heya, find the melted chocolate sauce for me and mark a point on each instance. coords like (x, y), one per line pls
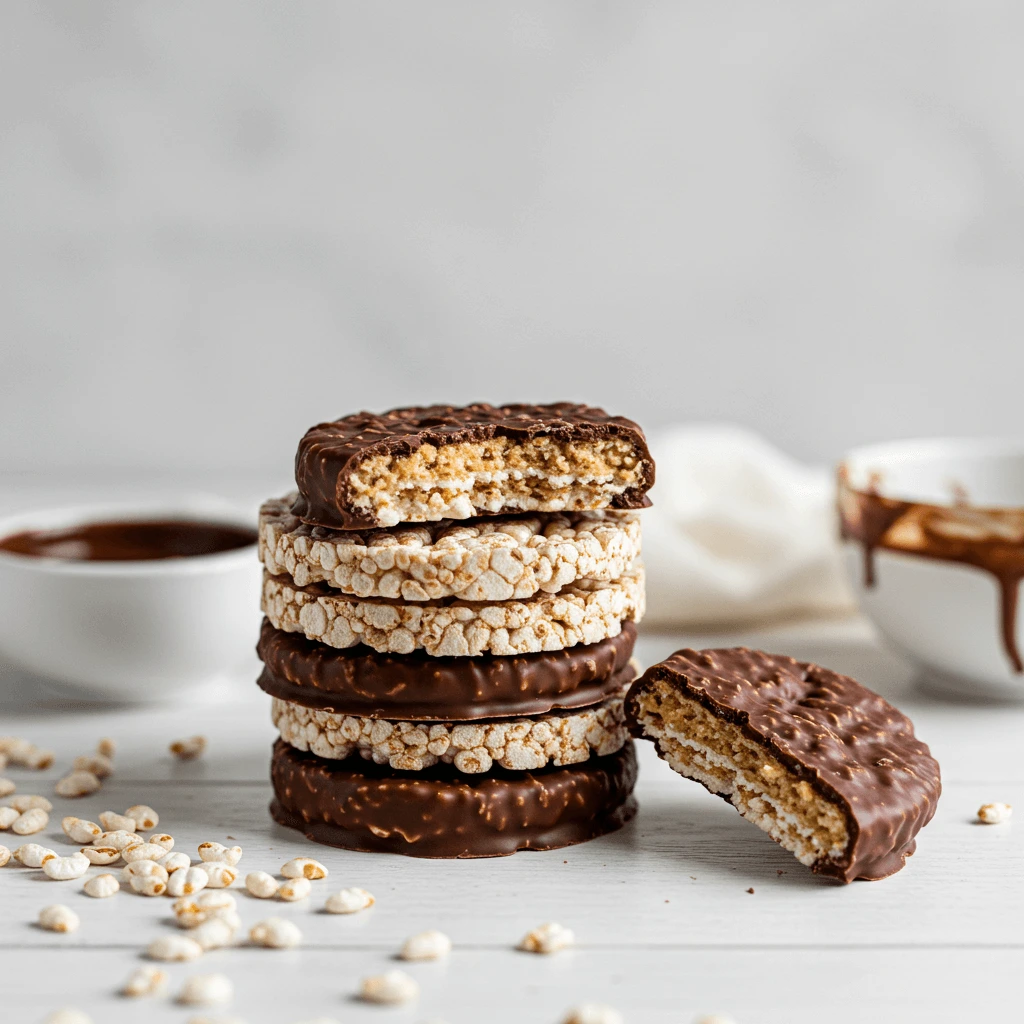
(988, 539)
(130, 541)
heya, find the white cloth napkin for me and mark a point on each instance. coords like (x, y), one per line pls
(738, 532)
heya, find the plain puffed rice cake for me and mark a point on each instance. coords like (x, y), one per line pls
(522, 744)
(482, 560)
(585, 612)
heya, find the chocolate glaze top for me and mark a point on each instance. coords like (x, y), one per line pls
(329, 452)
(359, 681)
(854, 748)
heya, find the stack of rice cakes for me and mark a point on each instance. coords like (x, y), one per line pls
(450, 602)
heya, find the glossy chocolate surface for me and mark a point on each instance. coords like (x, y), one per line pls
(143, 540)
(855, 749)
(443, 813)
(329, 452)
(359, 681)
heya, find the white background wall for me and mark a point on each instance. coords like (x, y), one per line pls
(223, 221)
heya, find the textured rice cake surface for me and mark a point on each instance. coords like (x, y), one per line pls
(428, 463)
(498, 559)
(521, 744)
(584, 612)
(827, 768)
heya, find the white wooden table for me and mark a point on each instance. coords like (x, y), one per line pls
(666, 928)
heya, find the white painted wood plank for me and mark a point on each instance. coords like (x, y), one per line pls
(506, 987)
(676, 876)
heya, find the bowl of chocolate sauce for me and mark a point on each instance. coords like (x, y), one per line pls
(136, 603)
(934, 538)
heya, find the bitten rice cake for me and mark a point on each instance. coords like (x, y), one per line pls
(424, 464)
(830, 770)
(498, 559)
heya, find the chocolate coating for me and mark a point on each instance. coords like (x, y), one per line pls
(855, 749)
(329, 452)
(444, 814)
(359, 681)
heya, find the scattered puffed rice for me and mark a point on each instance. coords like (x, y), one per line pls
(5, 856)
(218, 853)
(68, 1016)
(294, 889)
(275, 933)
(30, 822)
(994, 814)
(107, 747)
(76, 784)
(187, 881)
(206, 990)
(38, 759)
(58, 918)
(29, 802)
(64, 869)
(221, 876)
(119, 839)
(142, 851)
(215, 933)
(189, 749)
(8, 816)
(147, 877)
(191, 911)
(348, 901)
(593, 1013)
(261, 885)
(174, 947)
(175, 862)
(100, 766)
(101, 855)
(428, 945)
(162, 839)
(101, 886)
(114, 822)
(390, 988)
(145, 981)
(144, 817)
(80, 830)
(548, 938)
(304, 867)
(32, 855)
(6, 787)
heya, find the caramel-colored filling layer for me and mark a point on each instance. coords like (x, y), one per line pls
(458, 481)
(716, 753)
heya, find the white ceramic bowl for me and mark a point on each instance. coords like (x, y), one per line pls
(140, 631)
(965, 498)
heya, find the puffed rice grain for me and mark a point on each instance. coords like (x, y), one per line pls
(261, 885)
(348, 901)
(389, 988)
(206, 990)
(548, 938)
(5, 856)
(29, 802)
(174, 947)
(68, 1015)
(32, 855)
(58, 918)
(294, 889)
(147, 877)
(100, 766)
(221, 876)
(142, 851)
(64, 869)
(428, 945)
(275, 933)
(30, 822)
(39, 759)
(218, 853)
(190, 911)
(107, 747)
(994, 814)
(162, 839)
(145, 818)
(6, 787)
(189, 749)
(80, 830)
(120, 839)
(215, 933)
(101, 886)
(114, 822)
(8, 816)
(187, 881)
(304, 867)
(175, 862)
(101, 855)
(76, 784)
(593, 1013)
(145, 981)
